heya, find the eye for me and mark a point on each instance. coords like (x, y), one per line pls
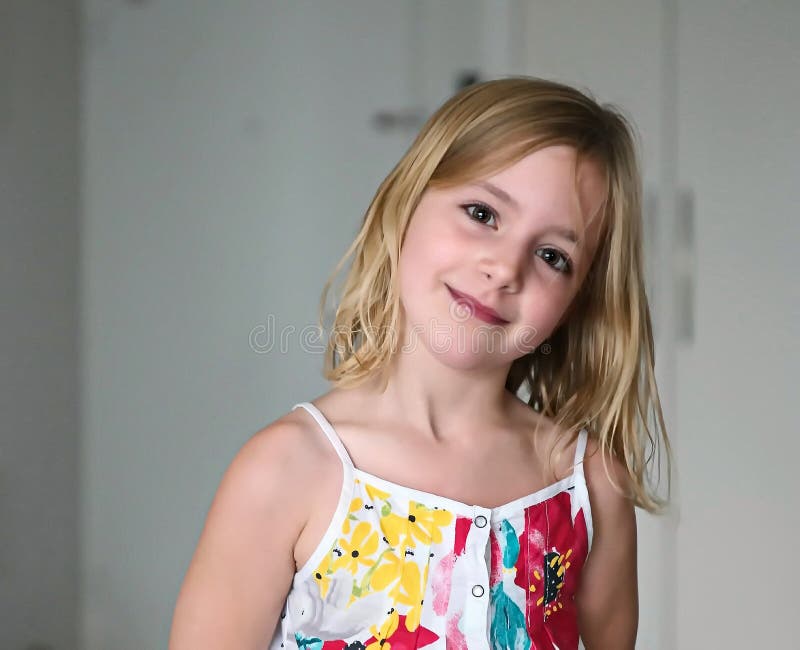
(564, 265)
(479, 212)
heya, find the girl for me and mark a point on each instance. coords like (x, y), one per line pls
(423, 502)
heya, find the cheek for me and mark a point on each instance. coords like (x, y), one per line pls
(540, 317)
(414, 258)
(429, 247)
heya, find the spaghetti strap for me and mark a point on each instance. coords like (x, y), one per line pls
(329, 432)
(581, 501)
(580, 450)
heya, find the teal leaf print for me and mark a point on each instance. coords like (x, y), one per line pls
(308, 644)
(508, 623)
(511, 547)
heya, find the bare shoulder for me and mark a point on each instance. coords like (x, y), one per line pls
(608, 600)
(243, 565)
(554, 445)
(613, 511)
(276, 461)
(293, 439)
(606, 478)
(269, 464)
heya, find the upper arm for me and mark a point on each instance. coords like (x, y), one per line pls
(243, 565)
(608, 596)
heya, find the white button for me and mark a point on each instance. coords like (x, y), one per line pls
(477, 591)
(480, 521)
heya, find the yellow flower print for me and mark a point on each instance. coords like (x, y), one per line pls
(321, 574)
(383, 632)
(421, 523)
(411, 591)
(375, 494)
(355, 505)
(362, 544)
(388, 570)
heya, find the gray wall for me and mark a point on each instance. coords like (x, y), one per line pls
(715, 89)
(590, 45)
(181, 101)
(229, 160)
(39, 375)
(737, 563)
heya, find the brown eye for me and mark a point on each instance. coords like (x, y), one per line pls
(479, 212)
(562, 265)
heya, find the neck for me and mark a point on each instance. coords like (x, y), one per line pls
(444, 396)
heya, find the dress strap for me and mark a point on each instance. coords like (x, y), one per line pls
(580, 450)
(331, 535)
(581, 500)
(329, 432)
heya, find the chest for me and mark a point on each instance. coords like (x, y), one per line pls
(494, 472)
(396, 562)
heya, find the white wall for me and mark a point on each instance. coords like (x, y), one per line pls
(616, 49)
(39, 388)
(182, 100)
(230, 157)
(738, 570)
(715, 89)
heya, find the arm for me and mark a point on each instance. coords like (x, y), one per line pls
(243, 565)
(608, 596)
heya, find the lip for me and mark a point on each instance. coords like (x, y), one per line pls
(480, 311)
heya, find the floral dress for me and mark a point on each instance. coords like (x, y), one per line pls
(399, 569)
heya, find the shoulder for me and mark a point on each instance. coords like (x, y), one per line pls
(555, 445)
(257, 484)
(274, 451)
(266, 483)
(243, 564)
(294, 437)
(608, 596)
(613, 511)
(275, 459)
(607, 481)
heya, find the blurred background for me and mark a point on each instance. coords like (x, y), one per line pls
(179, 177)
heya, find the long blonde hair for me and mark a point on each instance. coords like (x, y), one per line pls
(599, 370)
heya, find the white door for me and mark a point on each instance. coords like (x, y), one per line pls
(620, 51)
(231, 150)
(738, 568)
(715, 91)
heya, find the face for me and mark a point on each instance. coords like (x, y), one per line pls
(489, 268)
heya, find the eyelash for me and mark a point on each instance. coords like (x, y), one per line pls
(568, 263)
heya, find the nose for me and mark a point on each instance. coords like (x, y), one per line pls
(504, 266)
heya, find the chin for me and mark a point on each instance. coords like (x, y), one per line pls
(460, 356)
(466, 362)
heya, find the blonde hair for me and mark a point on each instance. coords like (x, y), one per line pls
(599, 372)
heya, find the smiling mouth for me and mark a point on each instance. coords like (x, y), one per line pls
(478, 310)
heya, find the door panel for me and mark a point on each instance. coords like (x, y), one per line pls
(230, 153)
(737, 378)
(615, 51)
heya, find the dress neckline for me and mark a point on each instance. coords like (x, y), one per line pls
(454, 505)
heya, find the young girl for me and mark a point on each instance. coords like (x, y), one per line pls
(423, 502)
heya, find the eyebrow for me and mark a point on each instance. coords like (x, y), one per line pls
(566, 233)
(500, 194)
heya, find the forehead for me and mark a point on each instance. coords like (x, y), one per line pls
(555, 166)
(553, 183)
(554, 187)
